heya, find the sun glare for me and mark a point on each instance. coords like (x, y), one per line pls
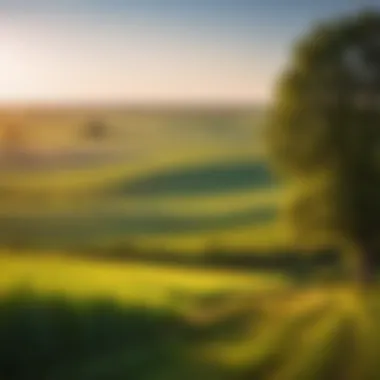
(13, 67)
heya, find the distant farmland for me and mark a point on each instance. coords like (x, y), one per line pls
(181, 177)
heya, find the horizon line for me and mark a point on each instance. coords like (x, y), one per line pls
(132, 104)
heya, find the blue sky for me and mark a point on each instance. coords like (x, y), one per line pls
(155, 51)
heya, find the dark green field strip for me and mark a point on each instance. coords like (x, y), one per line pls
(55, 338)
(137, 363)
(68, 230)
(207, 179)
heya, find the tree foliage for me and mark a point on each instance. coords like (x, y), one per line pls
(326, 123)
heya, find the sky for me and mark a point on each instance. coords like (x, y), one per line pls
(222, 51)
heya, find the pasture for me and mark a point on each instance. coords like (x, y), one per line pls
(159, 180)
(173, 178)
(145, 283)
(73, 319)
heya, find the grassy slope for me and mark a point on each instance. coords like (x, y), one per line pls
(317, 334)
(128, 282)
(264, 334)
(163, 145)
(197, 206)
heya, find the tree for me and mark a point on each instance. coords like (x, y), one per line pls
(325, 131)
(96, 130)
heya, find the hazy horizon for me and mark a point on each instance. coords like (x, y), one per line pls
(150, 52)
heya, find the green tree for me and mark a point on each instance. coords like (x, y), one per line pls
(324, 134)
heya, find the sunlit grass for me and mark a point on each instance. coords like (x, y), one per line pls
(306, 358)
(127, 282)
(287, 333)
(152, 145)
(322, 333)
(268, 336)
(252, 237)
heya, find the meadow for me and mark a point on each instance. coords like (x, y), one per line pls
(174, 178)
(65, 318)
(183, 181)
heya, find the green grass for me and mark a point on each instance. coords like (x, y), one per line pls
(185, 178)
(125, 282)
(184, 205)
(148, 163)
(176, 217)
(195, 185)
(223, 177)
(250, 236)
(85, 321)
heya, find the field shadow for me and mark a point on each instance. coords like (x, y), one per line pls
(206, 179)
(52, 337)
(56, 338)
(66, 231)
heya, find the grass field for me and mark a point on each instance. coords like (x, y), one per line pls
(170, 323)
(126, 282)
(177, 179)
(170, 181)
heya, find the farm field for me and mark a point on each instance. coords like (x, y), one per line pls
(175, 178)
(189, 190)
(185, 188)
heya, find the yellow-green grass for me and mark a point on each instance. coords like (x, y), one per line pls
(162, 142)
(310, 334)
(261, 237)
(189, 206)
(295, 334)
(275, 332)
(163, 148)
(140, 283)
(300, 334)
